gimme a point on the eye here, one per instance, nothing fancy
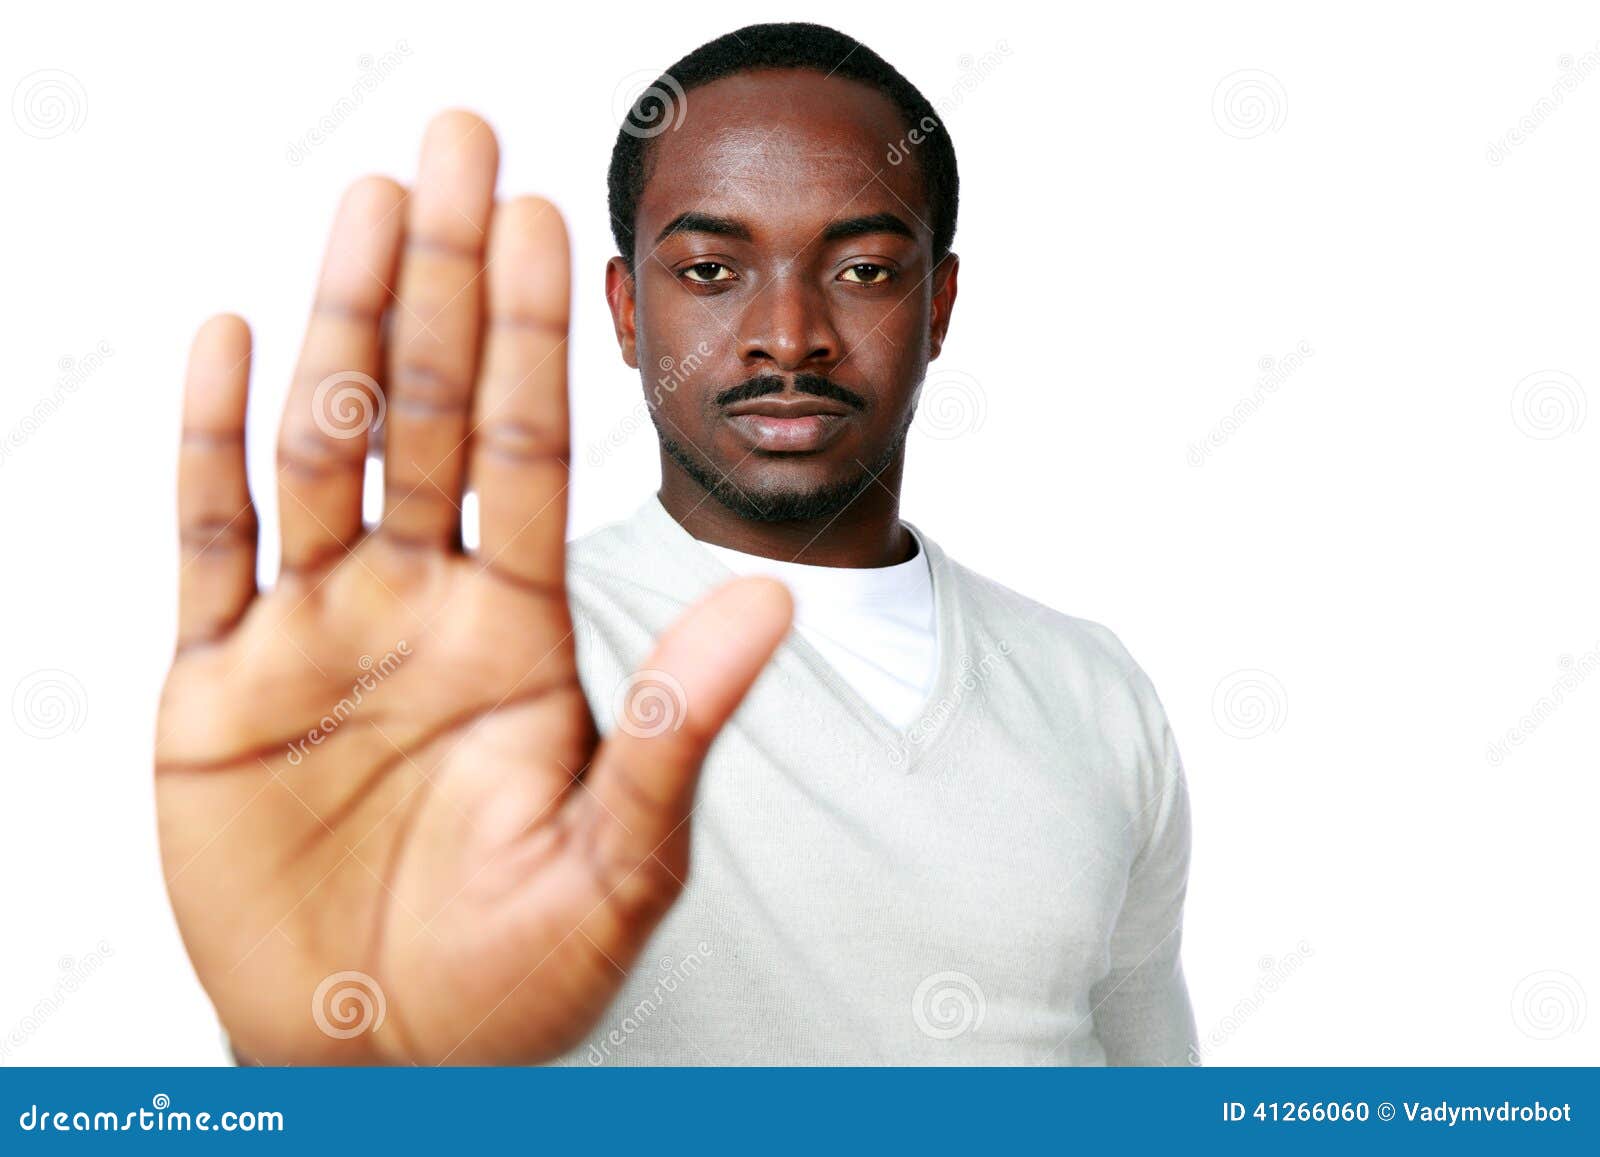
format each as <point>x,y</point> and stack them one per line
<point>689,273</point>
<point>871,274</point>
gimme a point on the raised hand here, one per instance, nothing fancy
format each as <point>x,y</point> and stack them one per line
<point>387,827</point>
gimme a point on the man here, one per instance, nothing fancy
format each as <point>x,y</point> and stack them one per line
<point>943,824</point>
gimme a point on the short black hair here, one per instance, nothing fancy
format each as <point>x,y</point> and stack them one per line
<point>770,46</point>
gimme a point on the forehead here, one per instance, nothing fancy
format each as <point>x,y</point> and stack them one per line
<point>785,150</point>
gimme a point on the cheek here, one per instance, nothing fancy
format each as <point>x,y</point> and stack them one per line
<point>893,363</point>
<point>673,395</point>
<point>673,331</point>
<point>678,369</point>
<point>680,390</point>
<point>886,345</point>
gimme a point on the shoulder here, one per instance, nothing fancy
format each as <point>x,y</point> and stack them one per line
<point>626,562</point>
<point>1074,664</point>
<point>599,550</point>
<point>626,582</point>
<point>1081,684</point>
<point>1035,627</point>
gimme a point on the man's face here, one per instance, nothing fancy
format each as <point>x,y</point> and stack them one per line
<point>784,326</point>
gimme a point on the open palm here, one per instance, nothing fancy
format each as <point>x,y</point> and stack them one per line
<point>389,829</point>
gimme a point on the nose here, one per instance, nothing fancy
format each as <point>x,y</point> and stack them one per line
<point>787,327</point>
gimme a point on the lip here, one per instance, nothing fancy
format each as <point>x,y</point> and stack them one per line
<point>787,425</point>
<point>780,407</point>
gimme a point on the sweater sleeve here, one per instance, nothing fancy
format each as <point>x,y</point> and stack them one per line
<point>1142,1013</point>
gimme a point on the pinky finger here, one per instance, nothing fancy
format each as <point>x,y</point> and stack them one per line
<point>216,520</point>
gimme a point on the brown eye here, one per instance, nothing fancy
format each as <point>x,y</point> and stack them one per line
<point>690,272</point>
<point>871,274</point>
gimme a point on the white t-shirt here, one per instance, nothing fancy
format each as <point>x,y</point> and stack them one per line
<point>875,625</point>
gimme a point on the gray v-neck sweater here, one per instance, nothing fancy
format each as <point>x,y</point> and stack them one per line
<point>1000,883</point>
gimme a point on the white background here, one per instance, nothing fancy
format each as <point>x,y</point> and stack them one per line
<point>1366,582</point>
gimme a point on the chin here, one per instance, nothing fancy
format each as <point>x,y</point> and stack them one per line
<point>792,505</point>
<point>771,489</point>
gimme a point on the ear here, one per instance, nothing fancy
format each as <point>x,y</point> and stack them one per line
<point>620,297</point>
<point>944,300</point>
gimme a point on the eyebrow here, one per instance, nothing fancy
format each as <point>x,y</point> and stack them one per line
<point>692,222</point>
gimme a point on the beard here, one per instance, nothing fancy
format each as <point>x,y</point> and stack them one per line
<point>793,505</point>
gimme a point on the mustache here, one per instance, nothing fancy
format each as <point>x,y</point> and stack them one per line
<point>814,384</point>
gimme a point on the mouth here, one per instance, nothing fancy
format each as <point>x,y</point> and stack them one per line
<point>779,425</point>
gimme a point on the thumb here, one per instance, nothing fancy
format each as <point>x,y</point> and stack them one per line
<point>668,712</point>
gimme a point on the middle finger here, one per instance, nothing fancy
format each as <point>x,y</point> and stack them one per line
<point>433,349</point>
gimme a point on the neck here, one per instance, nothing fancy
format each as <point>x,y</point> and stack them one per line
<point>866,533</point>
